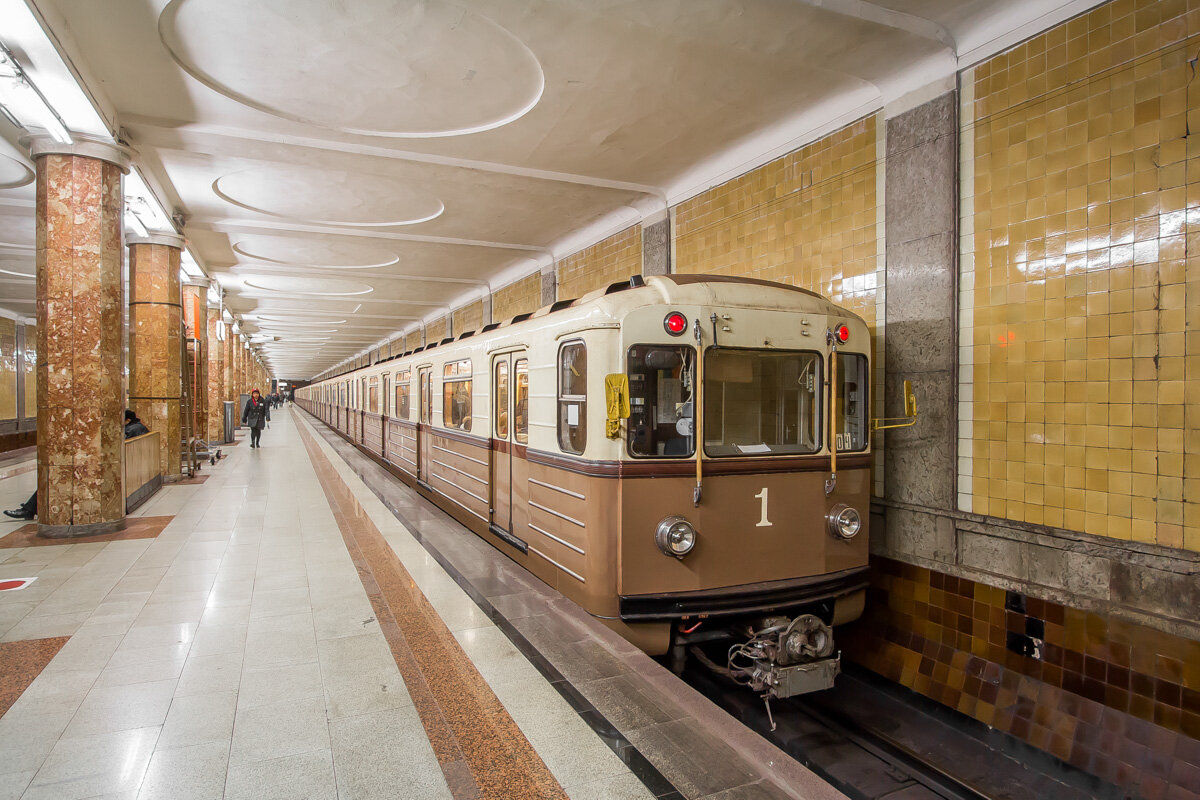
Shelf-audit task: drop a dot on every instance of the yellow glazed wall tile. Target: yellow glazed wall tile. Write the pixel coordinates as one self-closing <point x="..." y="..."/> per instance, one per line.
<point x="1085" y="193"/>
<point x="614" y="259"/>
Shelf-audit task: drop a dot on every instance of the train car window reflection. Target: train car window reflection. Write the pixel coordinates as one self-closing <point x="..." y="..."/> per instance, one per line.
<point x="761" y="402"/>
<point x="572" y="397"/>
<point x="456" y="395"/>
<point x="662" y="381"/>
<point x="521" y="401"/>
<point x="852" y="422"/>
<point x="402" y="381"/>
<point x="373" y="395"/>
<point x="426" y="395"/>
<point x="502" y="398"/>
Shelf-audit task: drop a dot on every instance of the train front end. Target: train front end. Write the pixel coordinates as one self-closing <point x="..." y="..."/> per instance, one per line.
<point x="745" y="484"/>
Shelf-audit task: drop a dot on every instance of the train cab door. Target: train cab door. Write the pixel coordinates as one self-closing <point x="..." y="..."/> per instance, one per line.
<point x="501" y="443"/>
<point x="424" y="432"/>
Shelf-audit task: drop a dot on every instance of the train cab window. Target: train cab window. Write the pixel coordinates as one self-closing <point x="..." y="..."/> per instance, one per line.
<point x="761" y="402"/>
<point x="402" y="381"/>
<point x="852" y="422"/>
<point x="501" y="411"/>
<point x="456" y="395"/>
<point x="521" y="401"/>
<point x="662" y="380"/>
<point x="373" y="395"/>
<point x="572" y="397"/>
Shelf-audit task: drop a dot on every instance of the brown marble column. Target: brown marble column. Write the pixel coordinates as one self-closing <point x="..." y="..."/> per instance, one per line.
<point x="80" y="333"/>
<point x="155" y="345"/>
<point x="195" y="313"/>
<point x="230" y="365"/>
<point x="215" y="393"/>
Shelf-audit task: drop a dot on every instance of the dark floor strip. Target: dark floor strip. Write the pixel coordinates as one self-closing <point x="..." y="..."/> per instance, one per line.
<point x="482" y="752"/>
<point x="135" y="528"/>
<point x="654" y="780"/>
<point x="21" y="662"/>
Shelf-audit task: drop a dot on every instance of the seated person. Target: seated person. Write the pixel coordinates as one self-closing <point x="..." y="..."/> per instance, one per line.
<point x="28" y="509"/>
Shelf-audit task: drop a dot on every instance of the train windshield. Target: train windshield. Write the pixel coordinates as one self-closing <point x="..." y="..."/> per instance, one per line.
<point x="761" y="402"/>
<point x="662" y="380"/>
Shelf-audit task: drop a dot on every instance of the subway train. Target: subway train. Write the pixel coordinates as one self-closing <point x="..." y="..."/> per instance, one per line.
<point x="568" y="438"/>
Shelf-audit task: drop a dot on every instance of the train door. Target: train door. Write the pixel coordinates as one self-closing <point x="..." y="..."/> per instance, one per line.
<point x="424" y="433"/>
<point x="501" y="444"/>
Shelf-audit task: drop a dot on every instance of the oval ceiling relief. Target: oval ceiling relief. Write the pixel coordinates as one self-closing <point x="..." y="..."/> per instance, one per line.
<point x="327" y="197"/>
<point x="323" y="287"/>
<point x="315" y="253"/>
<point x="400" y="68"/>
<point x="13" y="173"/>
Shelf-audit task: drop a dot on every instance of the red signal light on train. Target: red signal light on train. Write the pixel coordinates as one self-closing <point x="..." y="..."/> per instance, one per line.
<point x="843" y="333"/>
<point x="675" y="323"/>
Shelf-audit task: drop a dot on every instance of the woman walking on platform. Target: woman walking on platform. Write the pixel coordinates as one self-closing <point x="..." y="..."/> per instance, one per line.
<point x="256" y="415"/>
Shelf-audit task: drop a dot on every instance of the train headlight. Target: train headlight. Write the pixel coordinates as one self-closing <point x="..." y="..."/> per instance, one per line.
<point x="675" y="536"/>
<point x="844" y="521"/>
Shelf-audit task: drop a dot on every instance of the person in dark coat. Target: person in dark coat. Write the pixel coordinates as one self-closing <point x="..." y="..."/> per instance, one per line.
<point x="28" y="509"/>
<point x="256" y="414"/>
<point x="133" y="425"/>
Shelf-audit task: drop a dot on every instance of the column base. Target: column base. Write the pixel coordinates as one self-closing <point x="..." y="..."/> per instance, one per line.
<point x="73" y="531"/>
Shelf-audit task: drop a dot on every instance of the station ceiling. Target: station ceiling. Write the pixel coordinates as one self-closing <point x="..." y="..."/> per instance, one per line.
<point x="346" y="168"/>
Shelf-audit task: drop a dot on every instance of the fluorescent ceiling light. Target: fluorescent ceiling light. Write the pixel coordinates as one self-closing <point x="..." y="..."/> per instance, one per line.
<point x="23" y="103"/>
<point x="145" y="203"/>
<point x="188" y="261"/>
<point x="134" y="223"/>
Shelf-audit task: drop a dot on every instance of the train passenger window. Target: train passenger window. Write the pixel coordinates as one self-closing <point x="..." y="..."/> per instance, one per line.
<point x="662" y="381"/>
<point x="426" y="379"/>
<point x="373" y="395"/>
<point x="402" y="381"/>
<point x="521" y="401"/>
<point x="761" y="402"/>
<point x="572" y="397"/>
<point x="501" y="410"/>
<point x="852" y="423"/>
<point x="385" y="396"/>
<point x="456" y="395"/>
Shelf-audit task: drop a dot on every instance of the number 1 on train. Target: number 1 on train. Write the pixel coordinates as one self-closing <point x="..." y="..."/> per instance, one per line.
<point x="763" y="522"/>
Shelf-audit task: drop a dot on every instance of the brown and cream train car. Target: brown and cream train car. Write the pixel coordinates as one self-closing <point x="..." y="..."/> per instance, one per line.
<point x="686" y="457"/>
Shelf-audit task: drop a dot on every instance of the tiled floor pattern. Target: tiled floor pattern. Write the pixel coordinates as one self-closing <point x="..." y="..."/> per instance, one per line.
<point x="480" y="749"/>
<point x="21" y="662"/>
<point x="641" y="709"/>
<point x="237" y="655"/>
<point x="135" y="528"/>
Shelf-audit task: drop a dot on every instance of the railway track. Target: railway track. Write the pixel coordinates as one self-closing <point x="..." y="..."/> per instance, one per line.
<point x="874" y="743"/>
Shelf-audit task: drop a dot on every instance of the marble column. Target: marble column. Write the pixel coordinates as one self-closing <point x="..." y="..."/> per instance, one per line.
<point x="195" y="307"/>
<point x="155" y="341"/>
<point x="215" y="391"/>
<point x="80" y="332"/>
<point x="549" y="284"/>
<point x="656" y="244"/>
<point x="230" y="367"/>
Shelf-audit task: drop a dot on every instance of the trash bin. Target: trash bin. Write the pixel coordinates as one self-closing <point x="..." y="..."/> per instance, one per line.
<point x="229" y="421"/>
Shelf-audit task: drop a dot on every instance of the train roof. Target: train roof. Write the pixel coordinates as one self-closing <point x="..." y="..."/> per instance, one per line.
<point x="615" y="300"/>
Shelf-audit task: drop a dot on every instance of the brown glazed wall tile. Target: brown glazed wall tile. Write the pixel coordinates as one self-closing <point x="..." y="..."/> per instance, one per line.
<point x="1111" y="699"/>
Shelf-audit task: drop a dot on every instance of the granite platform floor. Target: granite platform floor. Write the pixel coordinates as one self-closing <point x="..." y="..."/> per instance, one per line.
<point x="287" y="636"/>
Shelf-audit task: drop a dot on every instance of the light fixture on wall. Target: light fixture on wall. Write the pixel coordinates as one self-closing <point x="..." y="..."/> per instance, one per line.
<point x="23" y="103"/>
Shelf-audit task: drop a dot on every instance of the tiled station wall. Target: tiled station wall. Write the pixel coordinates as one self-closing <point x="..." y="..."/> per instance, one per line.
<point x="436" y="331"/>
<point x="811" y="219"/>
<point x="613" y="259"/>
<point x="519" y="297"/>
<point x="1083" y="381"/>
<point x="468" y="318"/>
<point x="18" y="409"/>
<point x="1116" y="699"/>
